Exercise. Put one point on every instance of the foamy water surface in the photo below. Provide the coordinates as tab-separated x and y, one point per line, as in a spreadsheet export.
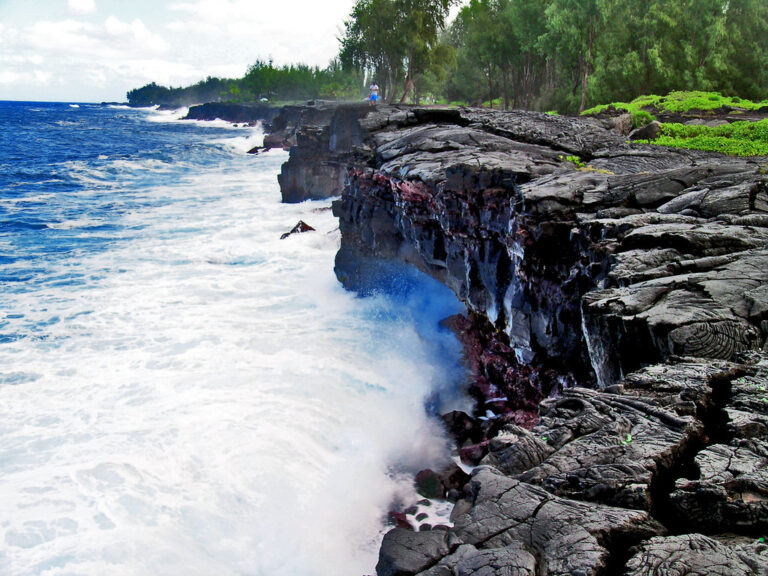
183	393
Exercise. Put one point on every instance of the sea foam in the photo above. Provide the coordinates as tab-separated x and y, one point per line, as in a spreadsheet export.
198	396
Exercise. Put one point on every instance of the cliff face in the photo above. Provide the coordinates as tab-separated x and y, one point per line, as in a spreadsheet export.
582	261
641	254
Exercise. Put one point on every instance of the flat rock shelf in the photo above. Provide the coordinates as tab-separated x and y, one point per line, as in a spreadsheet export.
616	328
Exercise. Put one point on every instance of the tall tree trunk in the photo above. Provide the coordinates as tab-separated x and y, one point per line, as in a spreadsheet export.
408	86
585	75
490	86
408	80
505	91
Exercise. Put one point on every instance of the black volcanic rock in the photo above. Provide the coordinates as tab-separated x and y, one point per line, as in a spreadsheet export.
300	228
698	555
566	536
616	330
231	112
404	552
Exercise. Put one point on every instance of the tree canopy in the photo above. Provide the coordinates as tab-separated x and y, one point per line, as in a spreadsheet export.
569	54
564	55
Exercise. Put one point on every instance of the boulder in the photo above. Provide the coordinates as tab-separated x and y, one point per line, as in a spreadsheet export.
404	553
649	132
300	228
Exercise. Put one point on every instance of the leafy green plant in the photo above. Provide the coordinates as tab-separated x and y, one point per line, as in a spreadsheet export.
736	139
641	118
679	102
627	440
575	160
582	166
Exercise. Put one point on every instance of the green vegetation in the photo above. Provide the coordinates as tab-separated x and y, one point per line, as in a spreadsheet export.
736	139
564	55
575	160
568	54
679	102
262	80
396	43
582	166
641	118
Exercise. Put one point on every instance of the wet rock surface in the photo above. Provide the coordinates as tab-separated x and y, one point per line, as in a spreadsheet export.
300	228
616	330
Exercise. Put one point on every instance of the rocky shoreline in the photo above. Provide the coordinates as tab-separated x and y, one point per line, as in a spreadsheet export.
231	112
617	328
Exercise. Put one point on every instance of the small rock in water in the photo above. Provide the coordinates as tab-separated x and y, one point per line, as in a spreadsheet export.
429	485
298	229
255	150
399	520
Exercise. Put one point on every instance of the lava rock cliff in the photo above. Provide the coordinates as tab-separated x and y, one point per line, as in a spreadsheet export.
617	327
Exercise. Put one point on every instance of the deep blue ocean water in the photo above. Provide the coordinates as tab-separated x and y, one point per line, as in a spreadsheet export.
181	392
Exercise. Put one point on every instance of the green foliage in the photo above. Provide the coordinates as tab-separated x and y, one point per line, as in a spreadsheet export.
560	55
566	54
582	166
208	90
262	80
395	42
679	102
576	161
641	118
736	139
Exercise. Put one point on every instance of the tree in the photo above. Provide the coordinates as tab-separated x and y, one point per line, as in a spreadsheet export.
572	30
393	40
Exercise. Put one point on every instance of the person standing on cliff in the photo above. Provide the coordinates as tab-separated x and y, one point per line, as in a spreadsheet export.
374	95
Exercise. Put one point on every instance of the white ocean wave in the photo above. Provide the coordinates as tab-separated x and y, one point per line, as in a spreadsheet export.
204	398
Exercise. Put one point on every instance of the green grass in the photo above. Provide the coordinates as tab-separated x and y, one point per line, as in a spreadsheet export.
679	102
582	166
576	161
736	139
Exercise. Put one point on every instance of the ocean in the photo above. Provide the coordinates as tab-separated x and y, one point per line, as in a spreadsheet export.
182	392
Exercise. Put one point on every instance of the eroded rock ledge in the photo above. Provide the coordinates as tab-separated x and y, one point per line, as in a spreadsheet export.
617	324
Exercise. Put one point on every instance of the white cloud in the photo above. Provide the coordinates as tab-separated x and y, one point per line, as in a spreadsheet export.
289	30
82	6
29	77
135	32
193	27
87	58
114	39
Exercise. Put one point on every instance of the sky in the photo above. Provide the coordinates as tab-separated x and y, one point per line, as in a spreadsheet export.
97	50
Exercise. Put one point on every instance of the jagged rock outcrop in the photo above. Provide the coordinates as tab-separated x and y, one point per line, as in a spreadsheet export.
596	485
322	139
231	112
697	555
616	326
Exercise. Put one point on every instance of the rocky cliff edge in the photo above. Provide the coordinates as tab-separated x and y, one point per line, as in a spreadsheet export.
617	328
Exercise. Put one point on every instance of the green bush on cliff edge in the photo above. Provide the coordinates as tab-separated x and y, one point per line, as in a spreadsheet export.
679	103
736	139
